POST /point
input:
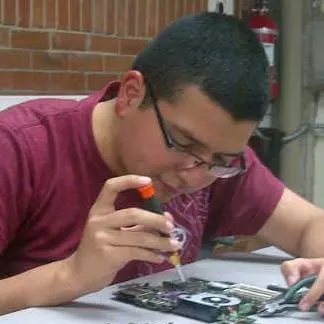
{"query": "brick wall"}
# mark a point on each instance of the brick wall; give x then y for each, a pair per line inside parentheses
(75, 46)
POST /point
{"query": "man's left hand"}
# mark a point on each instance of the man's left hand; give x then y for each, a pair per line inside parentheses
(299, 268)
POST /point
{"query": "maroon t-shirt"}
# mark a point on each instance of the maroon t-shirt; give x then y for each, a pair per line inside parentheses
(51, 173)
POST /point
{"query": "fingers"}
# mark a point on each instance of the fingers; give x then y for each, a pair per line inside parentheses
(135, 228)
(291, 272)
(136, 216)
(142, 228)
(105, 201)
(127, 254)
(314, 294)
(140, 239)
(298, 268)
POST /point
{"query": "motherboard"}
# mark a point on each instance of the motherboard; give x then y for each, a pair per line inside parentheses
(206, 301)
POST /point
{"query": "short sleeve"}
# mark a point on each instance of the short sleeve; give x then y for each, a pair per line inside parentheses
(241, 205)
(14, 186)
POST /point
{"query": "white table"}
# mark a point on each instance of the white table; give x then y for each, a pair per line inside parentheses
(99, 308)
(272, 251)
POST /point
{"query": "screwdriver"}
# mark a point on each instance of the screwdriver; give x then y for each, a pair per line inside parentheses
(152, 203)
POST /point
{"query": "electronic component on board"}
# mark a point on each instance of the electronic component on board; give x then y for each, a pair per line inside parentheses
(251, 293)
(207, 301)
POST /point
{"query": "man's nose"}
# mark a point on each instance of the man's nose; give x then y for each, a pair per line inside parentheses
(195, 177)
(185, 161)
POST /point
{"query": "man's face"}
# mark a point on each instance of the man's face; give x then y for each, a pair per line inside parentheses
(194, 121)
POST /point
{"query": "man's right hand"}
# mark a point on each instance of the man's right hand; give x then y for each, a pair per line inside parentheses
(108, 245)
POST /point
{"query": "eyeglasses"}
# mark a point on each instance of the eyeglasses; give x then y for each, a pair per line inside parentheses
(219, 168)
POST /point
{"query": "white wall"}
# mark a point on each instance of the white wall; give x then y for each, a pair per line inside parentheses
(317, 62)
(318, 185)
(228, 5)
(303, 64)
(291, 107)
(7, 101)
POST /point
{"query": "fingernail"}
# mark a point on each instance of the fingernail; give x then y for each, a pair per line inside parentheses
(145, 180)
(170, 226)
(176, 245)
(304, 306)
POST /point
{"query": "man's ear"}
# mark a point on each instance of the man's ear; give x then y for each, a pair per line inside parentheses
(131, 92)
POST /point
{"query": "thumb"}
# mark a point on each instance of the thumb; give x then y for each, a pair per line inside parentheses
(112, 187)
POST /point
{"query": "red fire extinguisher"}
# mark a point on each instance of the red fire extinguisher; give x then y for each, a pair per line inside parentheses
(267, 30)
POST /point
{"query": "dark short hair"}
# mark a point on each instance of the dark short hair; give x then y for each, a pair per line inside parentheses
(218, 53)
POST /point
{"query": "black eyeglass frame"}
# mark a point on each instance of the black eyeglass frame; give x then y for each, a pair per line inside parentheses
(172, 144)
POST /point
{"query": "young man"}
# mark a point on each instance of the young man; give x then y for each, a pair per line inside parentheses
(70, 219)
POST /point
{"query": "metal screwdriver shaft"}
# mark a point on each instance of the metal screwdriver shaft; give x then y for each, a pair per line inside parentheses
(152, 203)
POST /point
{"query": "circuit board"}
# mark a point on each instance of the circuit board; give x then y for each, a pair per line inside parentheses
(206, 301)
